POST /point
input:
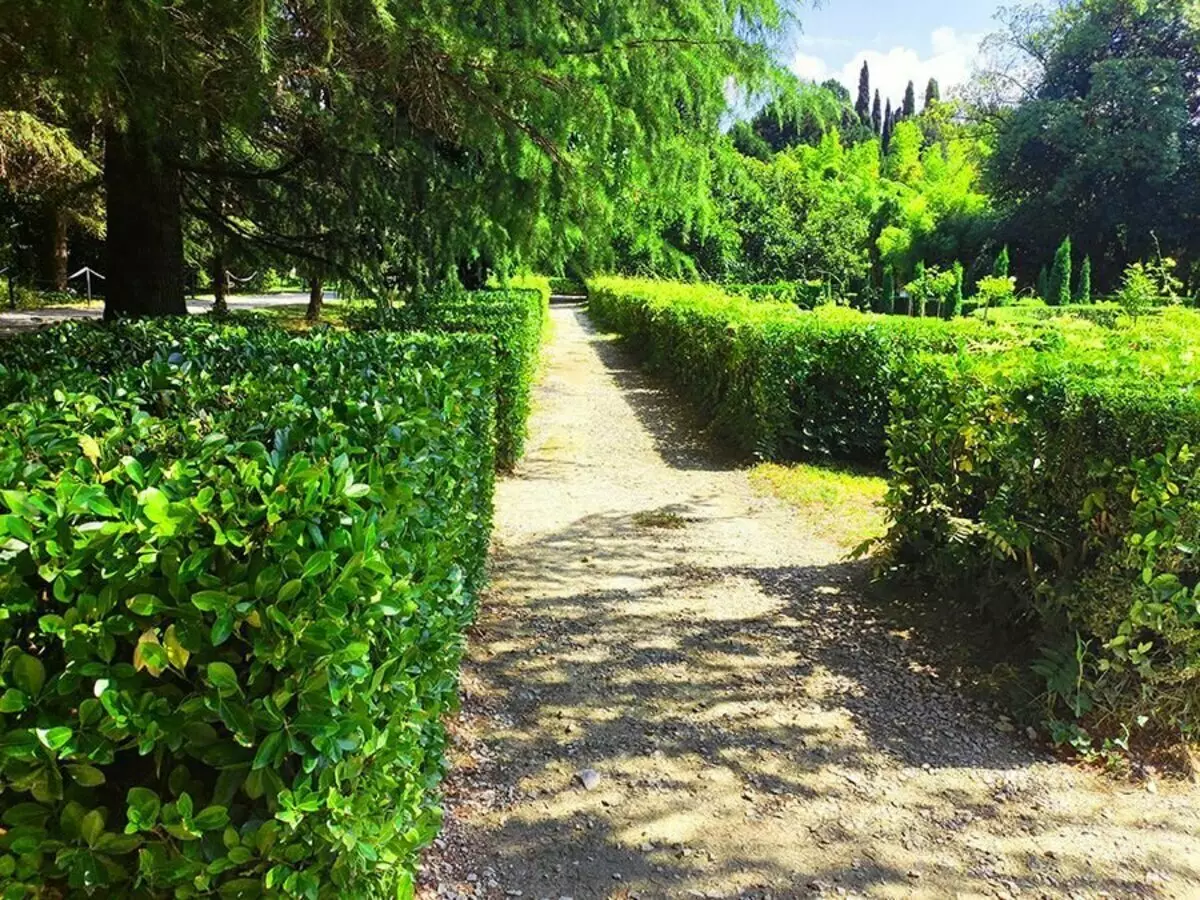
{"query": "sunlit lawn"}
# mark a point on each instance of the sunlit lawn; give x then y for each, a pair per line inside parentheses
(842, 505)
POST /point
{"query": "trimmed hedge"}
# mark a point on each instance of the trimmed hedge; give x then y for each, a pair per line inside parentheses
(778, 382)
(514, 318)
(1051, 471)
(803, 294)
(236, 577)
(1066, 488)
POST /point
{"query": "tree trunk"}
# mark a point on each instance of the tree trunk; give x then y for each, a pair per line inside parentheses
(316, 298)
(55, 266)
(220, 279)
(145, 228)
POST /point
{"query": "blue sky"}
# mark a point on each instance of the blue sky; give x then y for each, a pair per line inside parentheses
(913, 39)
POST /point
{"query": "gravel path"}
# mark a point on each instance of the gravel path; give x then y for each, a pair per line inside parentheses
(13, 321)
(746, 723)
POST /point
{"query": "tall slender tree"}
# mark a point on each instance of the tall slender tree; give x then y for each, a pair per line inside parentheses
(862, 105)
(1083, 288)
(933, 93)
(1058, 289)
(877, 116)
(910, 102)
(888, 125)
(1000, 267)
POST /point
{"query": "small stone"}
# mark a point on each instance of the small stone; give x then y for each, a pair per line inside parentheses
(589, 778)
(914, 874)
(1151, 786)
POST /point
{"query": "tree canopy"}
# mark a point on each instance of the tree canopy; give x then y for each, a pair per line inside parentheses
(399, 139)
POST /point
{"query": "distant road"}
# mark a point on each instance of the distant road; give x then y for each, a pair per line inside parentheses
(26, 319)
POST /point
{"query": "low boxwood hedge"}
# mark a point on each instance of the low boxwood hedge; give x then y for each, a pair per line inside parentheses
(236, 578)
(778, 382)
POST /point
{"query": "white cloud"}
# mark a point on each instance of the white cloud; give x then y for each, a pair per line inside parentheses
(951, 61)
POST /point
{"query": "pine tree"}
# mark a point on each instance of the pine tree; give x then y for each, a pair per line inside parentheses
(1043, 283)
(862, 105)
(933, 93)
(1059, 285)
(889, 291)
(877, 116)
(1083, 290)
(953, 309)
(888, 124)
(1000, 267)
(910, 102)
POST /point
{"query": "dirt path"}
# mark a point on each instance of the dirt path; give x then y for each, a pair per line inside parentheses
(756, 730)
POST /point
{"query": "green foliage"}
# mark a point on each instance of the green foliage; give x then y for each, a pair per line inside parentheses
(930, 285)
(889, 291)
(1138, 291)
(1058, 483)
(234, 604)
(513, 318)
(995, 290)
(1083, 287)
(1058, 288)
(776, 381)
(804, 294)
(954, 306)
(1100, 141)
(1043, 285)
(1000, 267)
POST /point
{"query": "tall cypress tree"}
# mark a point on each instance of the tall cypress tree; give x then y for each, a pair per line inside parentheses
(888, 125)
(1059, 285)
(1000, 267)
(1043, 283)
(1083, 290)
(862, 105)
(877, 115)
(889, 291)
(933, 93)
(910, 102)
(953, 308)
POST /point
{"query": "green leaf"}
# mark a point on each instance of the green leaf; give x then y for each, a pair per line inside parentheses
(223, 678)
(13, 701)
(268, 749)
(211, 818)
(29, 674)
(211, 601)
(25, 814)
(92, 826)
(144, 604)
(143, 806)
(54, 738)
(318, 563)
(290, 590)
(85, 775)
(155, 505)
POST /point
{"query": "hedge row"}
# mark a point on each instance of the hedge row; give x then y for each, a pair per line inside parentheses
(514, 318)
(1047, 468)
(1066, 487)
(778, 382)
(804, 294)
(236, 576)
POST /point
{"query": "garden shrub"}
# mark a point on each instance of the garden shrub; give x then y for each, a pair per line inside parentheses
(778, 382)
(1063, 487)
(236, 576)
(804, 294)
(513, 317)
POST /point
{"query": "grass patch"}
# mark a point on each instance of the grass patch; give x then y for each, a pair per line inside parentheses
(843, 505)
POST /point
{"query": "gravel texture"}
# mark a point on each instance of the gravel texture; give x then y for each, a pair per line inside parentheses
(677, 688)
